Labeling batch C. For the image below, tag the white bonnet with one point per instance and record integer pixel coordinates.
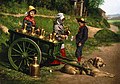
(60, 15)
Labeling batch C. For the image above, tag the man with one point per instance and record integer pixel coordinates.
(81, 37)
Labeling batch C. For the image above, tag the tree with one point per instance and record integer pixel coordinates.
(92, 6)
(95, 3)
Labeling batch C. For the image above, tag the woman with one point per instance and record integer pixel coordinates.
(58, 27)
(81, 37)
(29, 19)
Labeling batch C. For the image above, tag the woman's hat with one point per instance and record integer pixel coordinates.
(60, 15)
(31, 8)
(82, 20)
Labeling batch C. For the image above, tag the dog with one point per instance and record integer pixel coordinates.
(90, 67)
(97, 62)
(70, 69)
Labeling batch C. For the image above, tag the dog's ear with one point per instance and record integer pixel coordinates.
(95, 62)
(91, 61)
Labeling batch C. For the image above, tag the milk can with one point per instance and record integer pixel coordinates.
(35, 68)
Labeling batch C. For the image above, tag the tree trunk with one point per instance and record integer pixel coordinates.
(81, 8)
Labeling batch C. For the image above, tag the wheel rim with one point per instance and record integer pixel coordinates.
(21, 53)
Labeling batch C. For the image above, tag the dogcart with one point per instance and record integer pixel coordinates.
(23, 47)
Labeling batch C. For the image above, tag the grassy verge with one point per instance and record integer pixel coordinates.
(116, 23)
(112, 21)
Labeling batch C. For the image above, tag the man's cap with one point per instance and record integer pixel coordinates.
(82, 20)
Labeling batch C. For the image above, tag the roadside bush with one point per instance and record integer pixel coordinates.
(106, 35)
(97, 21)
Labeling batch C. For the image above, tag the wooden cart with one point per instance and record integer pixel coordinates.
(23, 47)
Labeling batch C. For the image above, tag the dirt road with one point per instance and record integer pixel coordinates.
(111, 56)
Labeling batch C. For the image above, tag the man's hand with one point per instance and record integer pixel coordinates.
(79, 44)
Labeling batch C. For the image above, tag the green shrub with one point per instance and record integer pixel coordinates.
(97, 21)
(106, 35)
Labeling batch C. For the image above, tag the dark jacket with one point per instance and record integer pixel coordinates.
(82, 35)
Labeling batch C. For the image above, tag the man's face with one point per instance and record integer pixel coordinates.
(81, 24)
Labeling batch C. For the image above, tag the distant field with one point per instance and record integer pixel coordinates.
(111, 21)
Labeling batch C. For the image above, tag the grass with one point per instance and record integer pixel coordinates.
(112, 21)
(7, 74)
(10, 76)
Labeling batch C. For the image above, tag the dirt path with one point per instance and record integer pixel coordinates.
(93, 30)
(114, 28)
(20, 15)
(111, 56)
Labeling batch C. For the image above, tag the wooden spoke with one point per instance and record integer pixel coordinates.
(19, 47)
(16, 50)
(27, 47)
(24, 46)
(16, 55)
(20, 63)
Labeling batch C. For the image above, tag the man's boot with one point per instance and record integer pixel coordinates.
(79, 59)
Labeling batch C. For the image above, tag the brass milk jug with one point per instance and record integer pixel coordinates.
(35, 68)
(42, 33)
(33, 31)
(24, 30)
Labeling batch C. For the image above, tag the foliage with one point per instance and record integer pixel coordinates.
(95, 3)
(106, 35)
(14, 8)
(10, 21)
(63, 6)
(3, 39)
(97, 21)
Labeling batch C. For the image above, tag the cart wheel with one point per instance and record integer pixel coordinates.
(21, 53)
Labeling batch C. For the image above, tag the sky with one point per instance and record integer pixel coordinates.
(111, 7)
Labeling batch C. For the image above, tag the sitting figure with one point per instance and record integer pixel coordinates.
(29, 20)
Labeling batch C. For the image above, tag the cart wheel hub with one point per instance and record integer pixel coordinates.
(24, 54)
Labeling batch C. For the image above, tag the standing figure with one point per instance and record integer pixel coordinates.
(29, 19)
(58, 27)
(81, 37)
